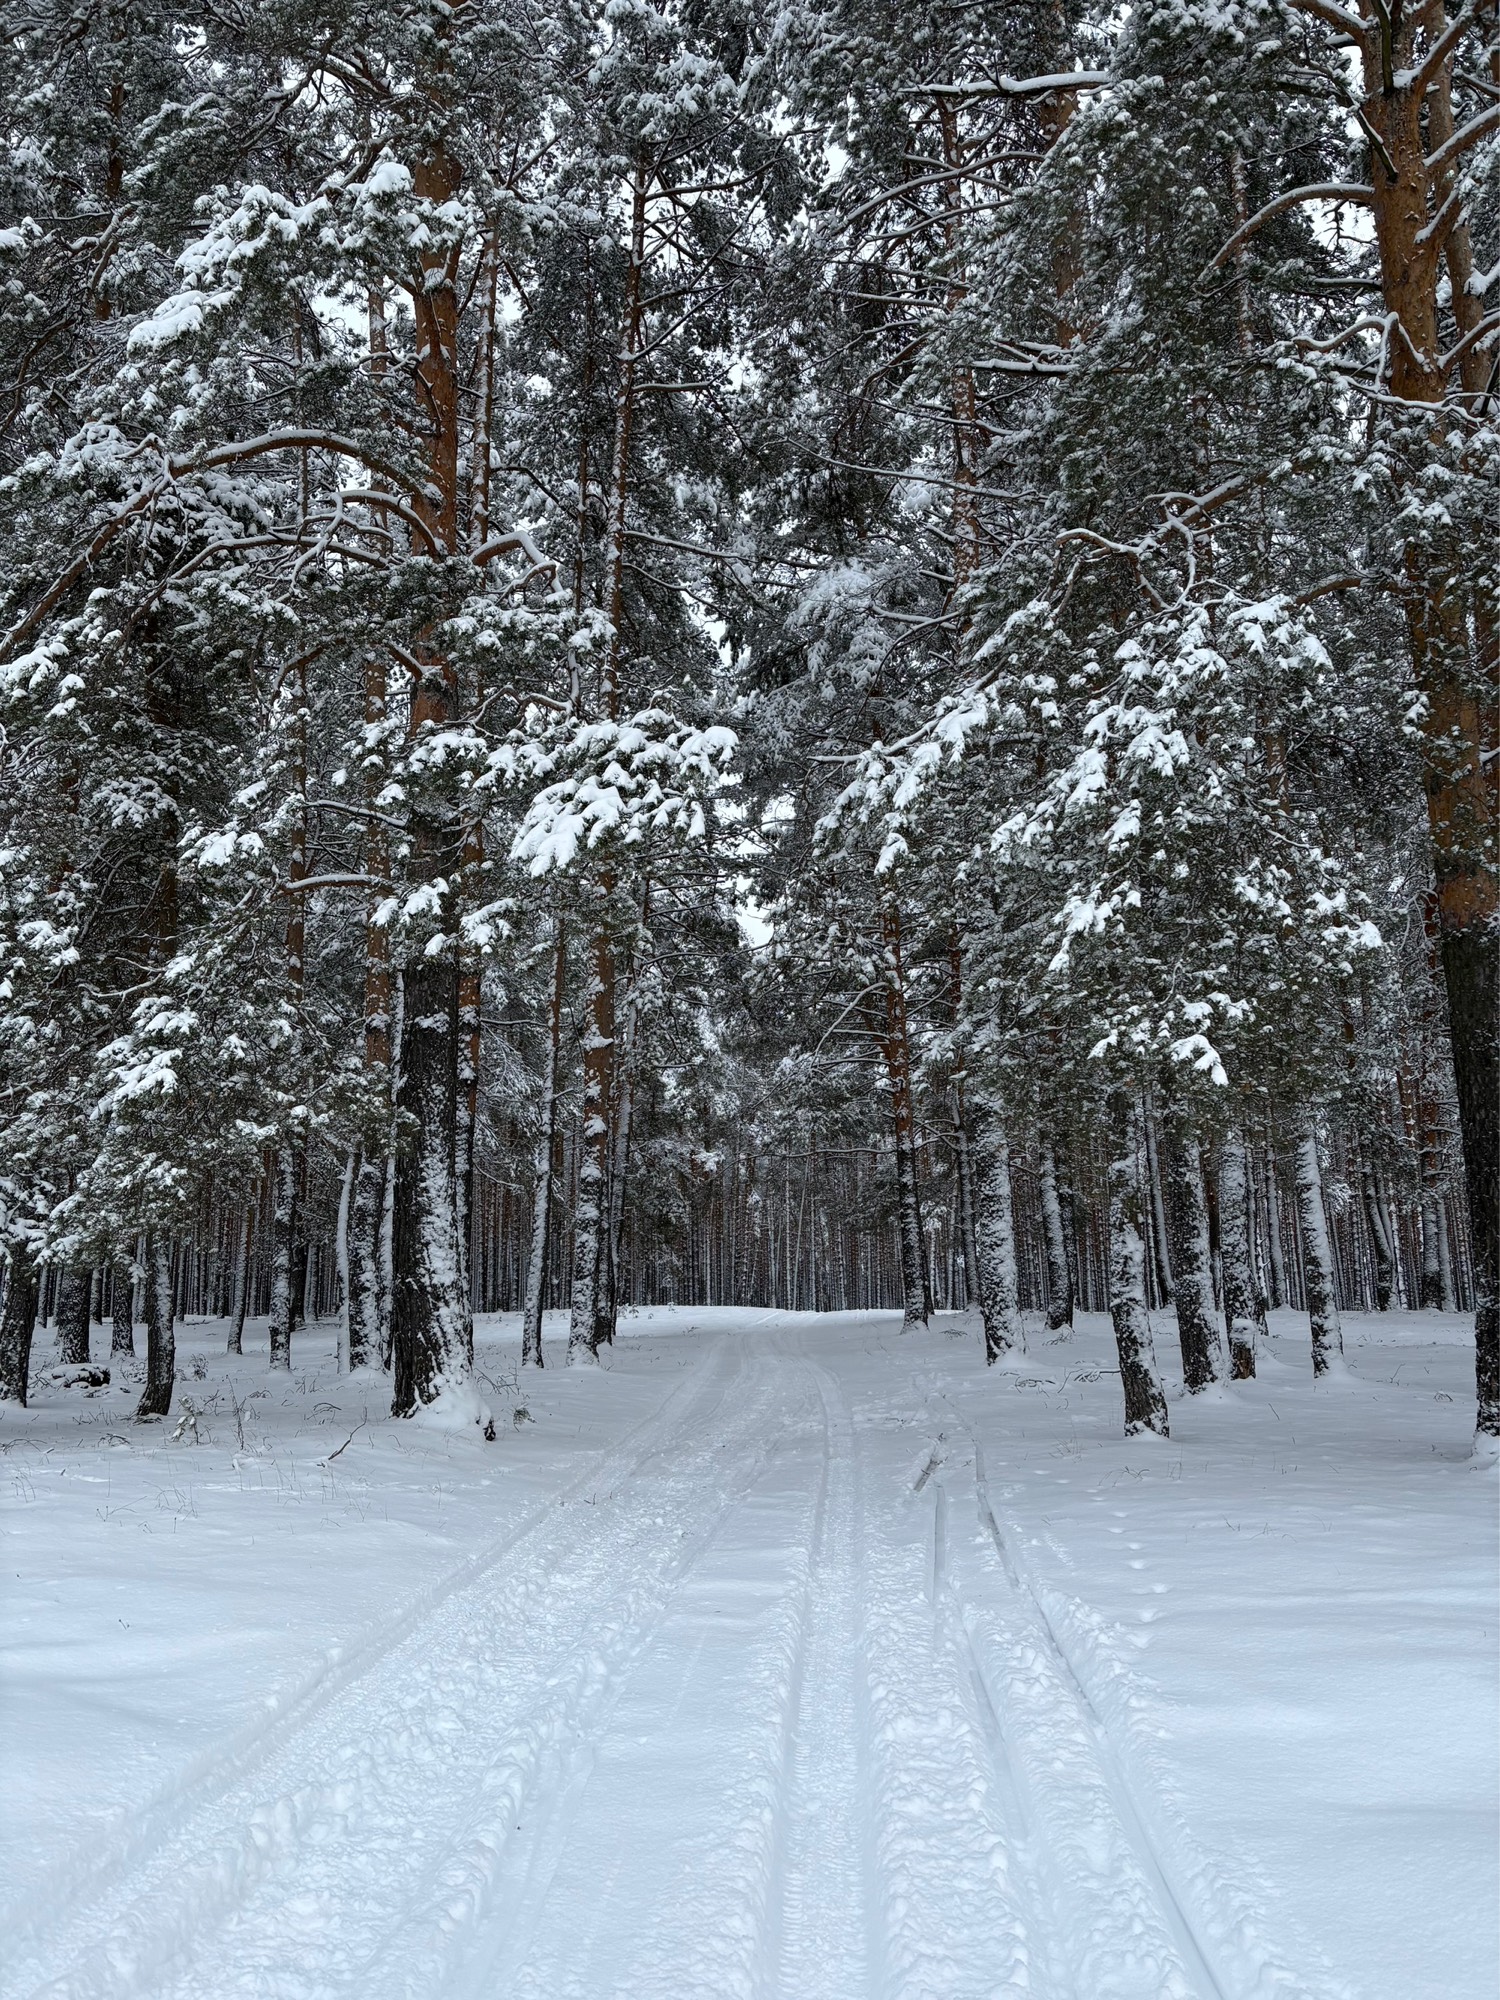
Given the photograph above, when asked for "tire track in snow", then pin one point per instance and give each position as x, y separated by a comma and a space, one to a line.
286, 1884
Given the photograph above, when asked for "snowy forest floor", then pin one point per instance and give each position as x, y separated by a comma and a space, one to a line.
780, 1656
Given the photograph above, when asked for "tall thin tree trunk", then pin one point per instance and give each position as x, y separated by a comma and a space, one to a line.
161, 1343
241, 1295
590, 1209
283, 1253
995, 1239
916, 1306
1238, 1268
1159, 1236
542, 1191
1192, 1263
1380, 1246
343, 1305
17, 1322
1455, 650
1059, 1276
73, 1317
1280, 1296
368, 1322
432, 1321
1317, 1256
369, 1285
122, 1321
1145, 1404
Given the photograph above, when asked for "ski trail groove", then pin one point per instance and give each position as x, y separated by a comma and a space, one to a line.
398, 1794
1204, 1980
817, 1944
193, 1788
702, 1767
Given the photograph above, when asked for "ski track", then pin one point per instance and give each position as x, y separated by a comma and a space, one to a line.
755, 1710
408, 1778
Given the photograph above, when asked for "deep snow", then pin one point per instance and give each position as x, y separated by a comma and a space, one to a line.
782, 1656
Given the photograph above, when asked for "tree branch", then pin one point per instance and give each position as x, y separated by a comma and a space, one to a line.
1317, 191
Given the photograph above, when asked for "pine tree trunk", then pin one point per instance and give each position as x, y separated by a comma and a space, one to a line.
542, 1192
241, 1296
1159, 1238
1129, 1201
344, 1304
963, 1156
1380, 1248
1454, 653
369, 1244
619, 1158
995, 1240
161, 1344
1317, 1256
1192, 1261
1471, 964
283, 1254
73, 1317
915, 1306
590, 1215
1059, 1275
1448, 1298
122, 1323
366, 1213
17, 1323
431, 1320
1280, 1296
1234, 1255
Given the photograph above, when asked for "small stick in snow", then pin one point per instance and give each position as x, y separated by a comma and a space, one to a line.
345, 1445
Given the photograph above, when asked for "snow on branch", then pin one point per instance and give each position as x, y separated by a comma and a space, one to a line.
1015, 86
1336, 191
611, 781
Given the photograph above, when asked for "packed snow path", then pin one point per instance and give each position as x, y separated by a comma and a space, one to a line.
764, 1703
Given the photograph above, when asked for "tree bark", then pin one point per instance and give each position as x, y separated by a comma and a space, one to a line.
17, 1323
541, 1200
995, 1240
963, 1155
1380, 1247
341, 1252
432, 1322
369, 1290
1059, 1275
1159, 1239
1192, 1263
1279, 1293
161, 1344
73, 1317
1145, 1404
916, 1307
367, 1330
1240, 1315
283, 1254
241, 1297
122, 1323
1453, 649
1317, 1256
590, 1219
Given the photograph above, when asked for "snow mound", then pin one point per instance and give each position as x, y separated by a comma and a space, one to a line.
456, 1407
